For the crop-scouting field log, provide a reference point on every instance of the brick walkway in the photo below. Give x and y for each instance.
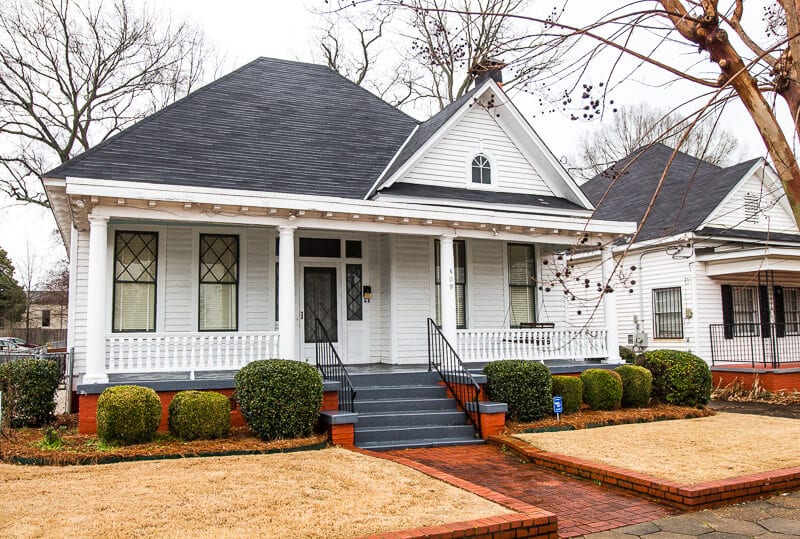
(582, 507)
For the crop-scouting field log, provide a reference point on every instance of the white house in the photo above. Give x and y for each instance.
(717, 261)
(219, 229)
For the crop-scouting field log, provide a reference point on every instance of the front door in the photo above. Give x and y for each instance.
(319, 303)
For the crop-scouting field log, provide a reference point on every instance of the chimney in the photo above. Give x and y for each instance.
(488, 68)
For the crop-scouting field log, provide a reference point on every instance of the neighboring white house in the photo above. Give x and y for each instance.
(217, 230)
(717, 261)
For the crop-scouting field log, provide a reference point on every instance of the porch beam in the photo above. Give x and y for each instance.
(447, 278)
(96, 302)
(610, 306)
(287, 311)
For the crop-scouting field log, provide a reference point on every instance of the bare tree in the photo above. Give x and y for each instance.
(73, 73)
(29, 270)
(636, 126)
(435, 46)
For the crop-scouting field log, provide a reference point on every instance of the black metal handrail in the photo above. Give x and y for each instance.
(767, 345)
(330, 365)
(461, 384)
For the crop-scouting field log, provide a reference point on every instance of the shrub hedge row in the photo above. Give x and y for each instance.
(29, 388)
(602, 389)
(199, 415)
(679, 378)
(570, 389)
(525, 386)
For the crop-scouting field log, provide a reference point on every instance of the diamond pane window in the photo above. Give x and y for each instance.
(135, 271)
(481, 170)
(219, 282)
(354, 305)
(521, 284)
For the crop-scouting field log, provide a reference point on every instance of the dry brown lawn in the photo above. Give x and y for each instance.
(328, 493)
(688, 451)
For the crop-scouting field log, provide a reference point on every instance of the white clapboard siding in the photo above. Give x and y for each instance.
(774, 216)
(78, 323)
(486, 284)
(180, 313)
(447, 162)
(259, 296)
(413, 292)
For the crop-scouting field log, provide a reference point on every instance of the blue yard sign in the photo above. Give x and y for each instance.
(558, 406)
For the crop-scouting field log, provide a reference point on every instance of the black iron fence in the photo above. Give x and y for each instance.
(760, 345)
(330, 365)
(457, 378)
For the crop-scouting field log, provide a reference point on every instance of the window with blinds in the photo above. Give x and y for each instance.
(219, 282)
(135, 274)
(667, 313)
(521, 284)
(460, 263)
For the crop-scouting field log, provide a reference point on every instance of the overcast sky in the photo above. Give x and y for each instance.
(246, 29)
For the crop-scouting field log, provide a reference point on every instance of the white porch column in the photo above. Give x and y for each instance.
(96, 305)
(447, 277)
(287, 302)
(610, 307)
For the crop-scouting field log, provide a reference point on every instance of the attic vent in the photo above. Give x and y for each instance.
(751, 207)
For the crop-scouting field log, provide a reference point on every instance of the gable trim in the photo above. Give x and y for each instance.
(390, 163)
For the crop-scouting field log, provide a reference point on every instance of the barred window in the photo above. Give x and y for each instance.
(481, 170)
(791, 310)
(460, 263)
(219, 282)
(521, 284)
(667, 313)
(745, 311)
(135, 273)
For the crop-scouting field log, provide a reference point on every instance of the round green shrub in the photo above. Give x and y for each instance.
(570, 388)
(637, 382)
(127, 415)
(679, 378)
(626, 354)
(199, 415)
(602, 389)
(279, 398)
(525, 386)
(29, 388)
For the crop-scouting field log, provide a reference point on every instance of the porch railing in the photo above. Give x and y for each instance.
(443, 357)
(170, 352)
(530, 344)
(759, 345)
(331, 367)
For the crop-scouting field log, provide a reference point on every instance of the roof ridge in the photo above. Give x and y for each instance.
(147, 119)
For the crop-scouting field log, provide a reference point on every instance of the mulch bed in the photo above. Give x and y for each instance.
(20, 446)
(587, 418)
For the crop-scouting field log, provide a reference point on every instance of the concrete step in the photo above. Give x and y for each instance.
(412, 444)
(400, 392)
(398, 435)
(411, 419)
(403, 405)
(403, 378)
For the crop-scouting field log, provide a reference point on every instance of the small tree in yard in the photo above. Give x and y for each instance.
(12, 296)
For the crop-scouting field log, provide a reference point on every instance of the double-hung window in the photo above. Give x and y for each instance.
(745, 311)
(135, 274)
(791, 310)
(460, 263)
(667, 313)
(521, 284)
(219, 282)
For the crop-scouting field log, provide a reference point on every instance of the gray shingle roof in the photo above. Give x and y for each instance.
(472, 195)
(691, 190)
(271, 125)
(734, 234)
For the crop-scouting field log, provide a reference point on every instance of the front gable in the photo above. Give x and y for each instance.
(758, 202)
(488, 128)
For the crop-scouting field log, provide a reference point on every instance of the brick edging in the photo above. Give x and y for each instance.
(703, 495)
(527, 520)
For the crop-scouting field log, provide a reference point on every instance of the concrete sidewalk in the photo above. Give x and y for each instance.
(771, 518)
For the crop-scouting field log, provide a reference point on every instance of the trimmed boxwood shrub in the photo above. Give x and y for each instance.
(637, 383)
(525, 386)
(29, 388)
(679, 378)
(128, 415)
(279, 398)
(199, 415)
(627, 355)
(570, 388)
(602, 389)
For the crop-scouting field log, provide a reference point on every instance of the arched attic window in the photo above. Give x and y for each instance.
(481, 170)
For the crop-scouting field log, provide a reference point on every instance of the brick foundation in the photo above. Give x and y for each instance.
(342, 434)
(770, 379)
(704, 495)
(492, 424)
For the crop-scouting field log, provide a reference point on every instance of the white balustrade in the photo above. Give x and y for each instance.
(170, 352)
(531, 344)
